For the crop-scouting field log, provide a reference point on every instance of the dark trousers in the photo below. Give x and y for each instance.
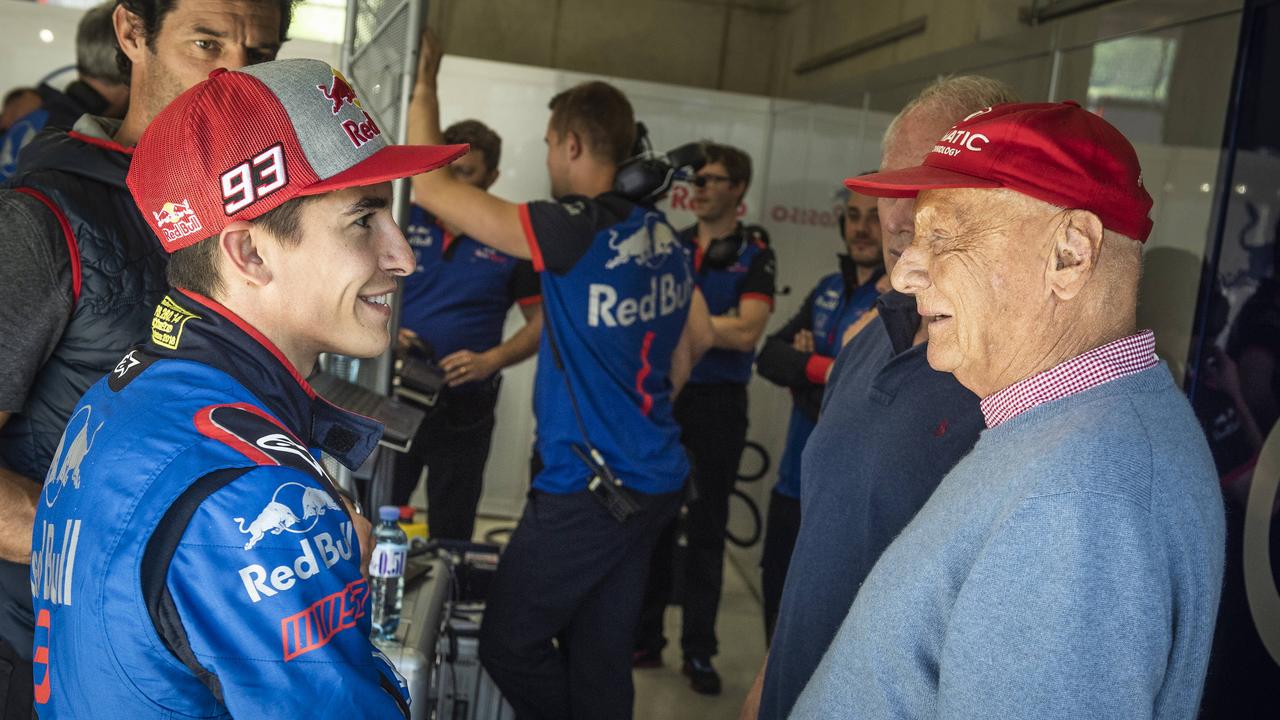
(453, 444)
(780, 531)
(561, 612)
(16, 628)
(713, 421)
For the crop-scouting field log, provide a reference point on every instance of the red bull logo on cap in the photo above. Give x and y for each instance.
(339, 92)
(176, 220)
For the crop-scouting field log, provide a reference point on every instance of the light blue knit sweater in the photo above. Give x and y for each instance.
(1069, 567)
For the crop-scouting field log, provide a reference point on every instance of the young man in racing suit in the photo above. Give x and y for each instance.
(190, 555)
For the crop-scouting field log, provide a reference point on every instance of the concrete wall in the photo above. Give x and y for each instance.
(749, 46)
(714, 44)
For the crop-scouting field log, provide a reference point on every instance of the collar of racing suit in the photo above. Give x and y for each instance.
(204, 331)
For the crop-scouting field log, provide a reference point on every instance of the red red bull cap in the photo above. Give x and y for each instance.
(1056, 152)
(243, 142)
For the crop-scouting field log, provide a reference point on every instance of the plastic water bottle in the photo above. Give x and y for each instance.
(386, 573)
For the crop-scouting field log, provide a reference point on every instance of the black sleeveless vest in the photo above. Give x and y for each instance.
(121, 277)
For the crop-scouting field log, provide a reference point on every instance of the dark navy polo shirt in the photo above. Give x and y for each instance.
(835, 303)
(750, 275)
(891, 428)
(459, 293)
(616, 285)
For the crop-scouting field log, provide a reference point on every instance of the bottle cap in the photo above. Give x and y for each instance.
(389, 513)
(406, 513)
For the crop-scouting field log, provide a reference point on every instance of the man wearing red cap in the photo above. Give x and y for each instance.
(1070, 565)
(191, 556)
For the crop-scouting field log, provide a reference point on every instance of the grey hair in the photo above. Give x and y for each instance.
(954, 97)
(96, 45)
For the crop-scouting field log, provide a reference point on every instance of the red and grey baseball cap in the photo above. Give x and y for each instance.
(243, 142)
(1056, 152)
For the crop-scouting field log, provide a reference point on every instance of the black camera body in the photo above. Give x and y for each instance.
(419, 378)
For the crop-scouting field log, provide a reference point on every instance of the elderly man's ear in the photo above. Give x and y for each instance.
(1076, 244)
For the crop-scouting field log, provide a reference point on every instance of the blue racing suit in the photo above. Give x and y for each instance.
(190, 557)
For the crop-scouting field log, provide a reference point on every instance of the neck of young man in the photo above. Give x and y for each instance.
(592, 179)
(713, 228)
(300, 354)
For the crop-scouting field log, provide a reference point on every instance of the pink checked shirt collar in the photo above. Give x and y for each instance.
(1112, 361)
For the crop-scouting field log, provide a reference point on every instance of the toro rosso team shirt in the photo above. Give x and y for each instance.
(191, 558)
(616, 286)
(459, 293)
(750, 275)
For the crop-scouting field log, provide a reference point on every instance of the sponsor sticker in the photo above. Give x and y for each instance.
(313, 628)
(167, 323)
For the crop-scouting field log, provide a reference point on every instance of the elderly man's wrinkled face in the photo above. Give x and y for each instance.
(977, 268)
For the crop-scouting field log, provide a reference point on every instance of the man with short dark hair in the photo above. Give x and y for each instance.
(82, 273)
(192, 556)
(735, 270)
(623, 325)
(455, 304)
(17, 102)
(100, 89)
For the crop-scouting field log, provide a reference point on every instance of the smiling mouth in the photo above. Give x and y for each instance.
(934, 317)
(381, 301)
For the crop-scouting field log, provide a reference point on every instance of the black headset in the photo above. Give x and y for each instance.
(721, 252)
(646, 176)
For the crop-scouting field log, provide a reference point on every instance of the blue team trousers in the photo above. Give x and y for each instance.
(562, 610)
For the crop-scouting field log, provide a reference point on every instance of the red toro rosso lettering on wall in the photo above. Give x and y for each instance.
(314, 627)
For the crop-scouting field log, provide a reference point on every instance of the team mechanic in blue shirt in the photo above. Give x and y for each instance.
(799, 356)
(624, 325)
(735, 269)
(191, 557)
(456, 301)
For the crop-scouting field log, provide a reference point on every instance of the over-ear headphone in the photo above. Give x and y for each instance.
(646, 176)
(723, 251)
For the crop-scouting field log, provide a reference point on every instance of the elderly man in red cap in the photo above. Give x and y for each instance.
(1070, 565)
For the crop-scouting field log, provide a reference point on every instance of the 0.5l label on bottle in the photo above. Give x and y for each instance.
(388, 560)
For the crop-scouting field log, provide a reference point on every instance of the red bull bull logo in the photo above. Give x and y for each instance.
(278, 516)
(176, 220)
(339, 92)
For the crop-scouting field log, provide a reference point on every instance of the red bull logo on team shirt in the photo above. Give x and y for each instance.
(647, 246)
(176, 220)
